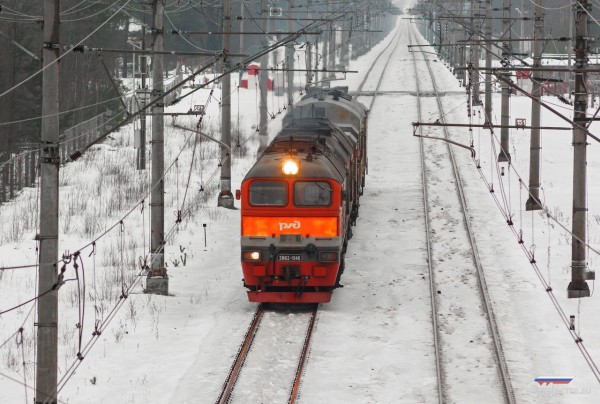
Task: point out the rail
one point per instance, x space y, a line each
493 327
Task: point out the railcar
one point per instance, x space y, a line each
300 200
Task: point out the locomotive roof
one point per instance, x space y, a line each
320 166
319 130
339 96
321 149
329 105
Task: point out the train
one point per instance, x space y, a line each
300 200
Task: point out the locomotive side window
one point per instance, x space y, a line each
312 193
268 193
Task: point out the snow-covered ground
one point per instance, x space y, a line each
373 342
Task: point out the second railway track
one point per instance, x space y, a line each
462 311
274 351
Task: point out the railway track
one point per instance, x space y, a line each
267 356
455 271
243 362
394 41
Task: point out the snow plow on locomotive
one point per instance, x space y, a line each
300 199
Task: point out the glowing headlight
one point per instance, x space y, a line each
290 167
251 255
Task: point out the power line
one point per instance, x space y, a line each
64 54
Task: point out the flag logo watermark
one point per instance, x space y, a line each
552 386
541 380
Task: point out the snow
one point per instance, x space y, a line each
373 342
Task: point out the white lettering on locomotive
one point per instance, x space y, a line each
294 225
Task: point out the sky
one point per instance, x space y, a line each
374 342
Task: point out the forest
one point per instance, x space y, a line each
85 88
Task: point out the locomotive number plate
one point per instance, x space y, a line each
289 257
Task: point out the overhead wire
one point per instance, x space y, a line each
550 293
78 252
492 43
552 8
75 7
529 253
74 10
11 11
183 37
14 87
87 17
126 290
93 242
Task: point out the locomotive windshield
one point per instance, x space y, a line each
268 193
312 193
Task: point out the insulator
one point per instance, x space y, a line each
572 322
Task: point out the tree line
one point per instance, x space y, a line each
84 84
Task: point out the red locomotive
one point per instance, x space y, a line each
300 199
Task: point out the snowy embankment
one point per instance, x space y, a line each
373 341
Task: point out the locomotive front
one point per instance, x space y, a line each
293 222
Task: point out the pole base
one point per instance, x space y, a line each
578 289
225 200
532 204
157 285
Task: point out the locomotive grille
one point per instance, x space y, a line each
290 238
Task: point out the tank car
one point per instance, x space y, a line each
300 199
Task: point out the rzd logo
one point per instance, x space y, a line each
294 225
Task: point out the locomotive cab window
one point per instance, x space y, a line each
268 193
312 193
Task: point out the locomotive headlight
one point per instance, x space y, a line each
250 255
290 167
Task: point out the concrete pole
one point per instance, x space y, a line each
242 20
439 39
31 169
475 10
47 308
316 62
488 64
504 155
533 202
368 24
570 51
522 14
332 48
309 50
263 78
289 50
325 46
437 27
462 48
141 152
447 49
157 281
241 38
579 274
225 196
344 51
11 180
